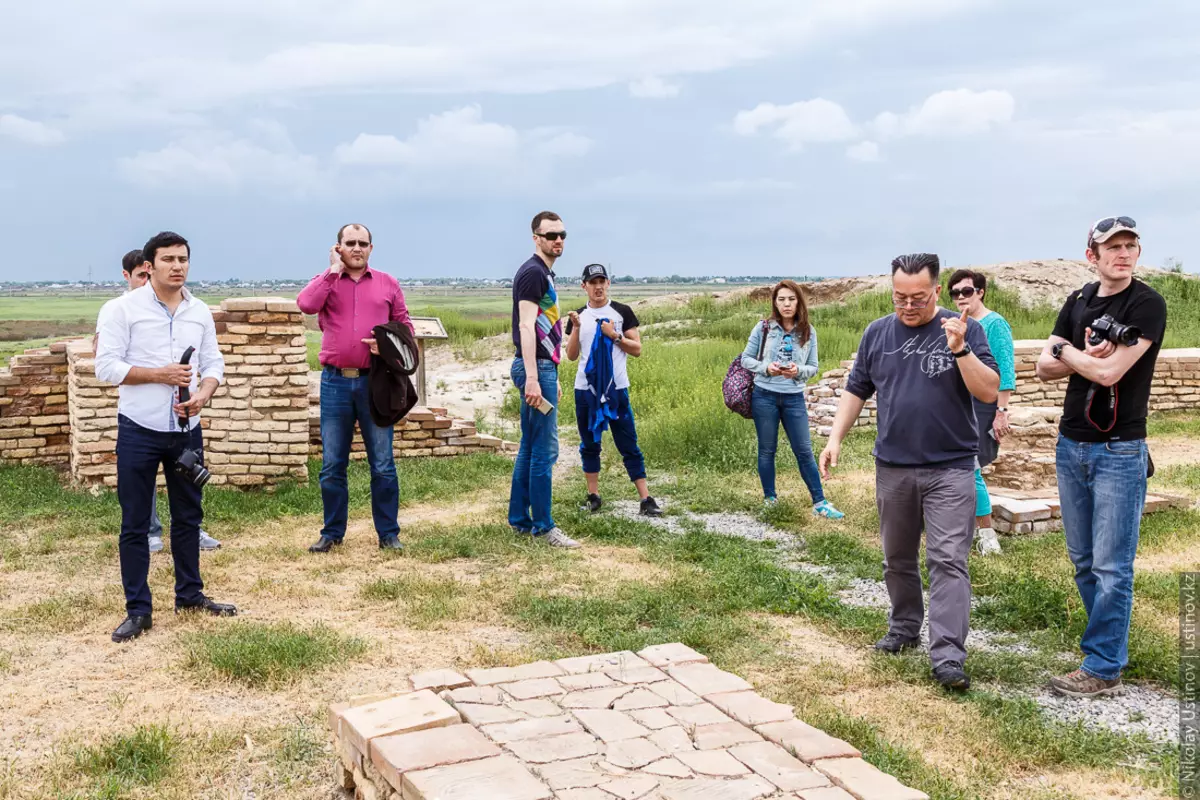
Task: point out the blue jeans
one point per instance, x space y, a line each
140 452
529 502
1102 488
624 434
769 409
345 401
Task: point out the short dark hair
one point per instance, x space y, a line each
131 261
342 230
915 263
978 279
541 217
161 240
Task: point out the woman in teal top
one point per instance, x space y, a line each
967 289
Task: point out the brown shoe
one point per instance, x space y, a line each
1080 684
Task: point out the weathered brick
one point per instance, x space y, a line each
578 774
439 679
806 742
653 718
633 753
671 655
864 781
535 687
638 699
555 748
631 788
531 729
749 708
727 734
750 788
453 744
587 680
776 765
695 716
715 763
499 778
595 698
706 679
602 663
538 669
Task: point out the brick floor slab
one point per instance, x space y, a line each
525 672
596 698
706 679
403 714
673 739
605 661
484 695
675 694
703 714
477 714
642 675
578 774
587 680
806 742
528 690
670 655
776 765
864 781
714 763
535 708
712 737
668 767
633 753
750 788
639 698
751 708
653 718
611 726
567 747
499 778
583 794
830 793
438 680
632 788
437 747
531 729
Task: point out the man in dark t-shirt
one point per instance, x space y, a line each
924 363
537 336
1102 460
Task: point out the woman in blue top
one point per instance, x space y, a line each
789 359
967 289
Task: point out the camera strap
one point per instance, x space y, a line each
1078 317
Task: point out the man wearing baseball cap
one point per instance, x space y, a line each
603 334
1106 341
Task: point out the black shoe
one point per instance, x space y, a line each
894 643
323 545
650 508
209 606
950 675
592 503
391 543
131 628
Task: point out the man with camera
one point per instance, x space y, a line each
145 345
136 273
1106 340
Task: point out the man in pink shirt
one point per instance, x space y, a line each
350 299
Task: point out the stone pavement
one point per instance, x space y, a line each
662 724
1039 511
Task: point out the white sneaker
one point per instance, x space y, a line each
987 543
156 544
556 538
207 542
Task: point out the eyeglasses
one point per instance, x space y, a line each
908 302
356 243
1105 225
553 235
966 291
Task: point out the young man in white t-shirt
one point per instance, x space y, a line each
617 325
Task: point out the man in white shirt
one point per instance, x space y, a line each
599 407
136 272
141 342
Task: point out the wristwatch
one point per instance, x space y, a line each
966 351
1056 349
1001 410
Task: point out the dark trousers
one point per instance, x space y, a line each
140 452
624 434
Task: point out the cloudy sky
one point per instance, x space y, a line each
674 136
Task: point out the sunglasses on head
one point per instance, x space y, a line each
356 243
1106 225
553 235
966 291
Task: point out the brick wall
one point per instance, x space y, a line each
93 418
822 400
33 407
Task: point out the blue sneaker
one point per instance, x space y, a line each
825 509
770 501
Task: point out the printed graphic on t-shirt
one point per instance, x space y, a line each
549 323
931 348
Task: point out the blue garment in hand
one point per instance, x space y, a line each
601 383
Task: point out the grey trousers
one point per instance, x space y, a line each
942 501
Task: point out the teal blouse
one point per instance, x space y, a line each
999 336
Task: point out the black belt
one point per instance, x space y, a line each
354 371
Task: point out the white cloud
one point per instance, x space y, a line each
955 112
653 88
459 138
808 121
863 151
207 160
30 131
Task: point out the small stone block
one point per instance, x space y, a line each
825 793
528 690
600 663
749 708
653 718
579 774
696 716
675 694
866 782
806 742
595 698
499 778
532 729
640 675
631 788
555 748
403 714
478 714
714 763
588 680
750 788
536 708
706 679
668 768
633 753
713 737
583 794
486 695
611 726
438 680
775 764
408 752
671 655
489 677
672 740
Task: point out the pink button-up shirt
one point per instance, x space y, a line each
348 311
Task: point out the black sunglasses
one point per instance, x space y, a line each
356 243
966 291
1105 225
553 235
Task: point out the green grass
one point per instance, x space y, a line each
267 655
123 764
425 600
60 613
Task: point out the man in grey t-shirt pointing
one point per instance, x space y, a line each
925 363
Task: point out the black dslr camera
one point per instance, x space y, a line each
1108 329
189 465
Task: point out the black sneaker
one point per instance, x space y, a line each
592 503
650 508
950 675
894 643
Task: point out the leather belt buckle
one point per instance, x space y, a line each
350 373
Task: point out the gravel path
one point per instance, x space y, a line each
1140 710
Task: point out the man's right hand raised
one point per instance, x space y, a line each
829 458
335 260
175 375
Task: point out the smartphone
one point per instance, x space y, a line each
545 406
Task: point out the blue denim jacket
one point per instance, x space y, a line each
803 355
